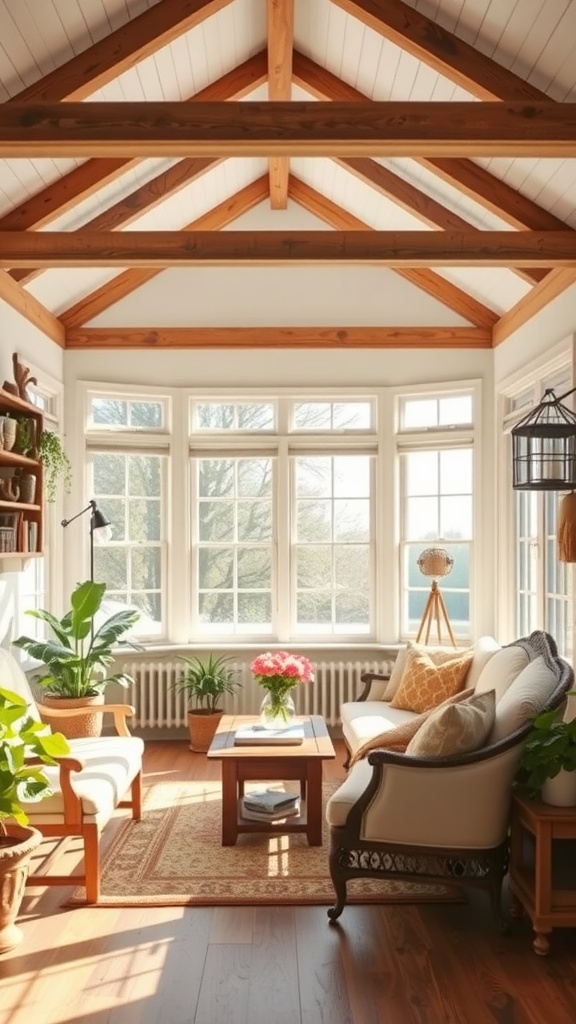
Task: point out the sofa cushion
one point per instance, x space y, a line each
483 649
455 728
395 675
524 698
501 669
397 738
425 685
363 719
437 654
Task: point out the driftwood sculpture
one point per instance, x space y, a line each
23 377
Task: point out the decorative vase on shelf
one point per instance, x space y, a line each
277 710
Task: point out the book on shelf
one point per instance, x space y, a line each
257 734
269 800
278 815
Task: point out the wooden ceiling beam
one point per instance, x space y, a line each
128 281
280 47
449 55
437 287
153 338
480 185
556 282
120 50
85 180
281 129
31 309
138 202
414 201
384 248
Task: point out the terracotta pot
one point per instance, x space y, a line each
88 724
202 725
16 849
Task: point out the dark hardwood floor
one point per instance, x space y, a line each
427 964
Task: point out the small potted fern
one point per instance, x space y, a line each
205 683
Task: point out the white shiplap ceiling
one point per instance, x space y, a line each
533 39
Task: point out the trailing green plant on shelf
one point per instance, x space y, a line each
56 463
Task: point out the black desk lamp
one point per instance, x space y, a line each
97 522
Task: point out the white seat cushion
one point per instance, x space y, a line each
111 764
361 720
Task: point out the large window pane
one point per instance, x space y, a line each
234 537
332 550
129 490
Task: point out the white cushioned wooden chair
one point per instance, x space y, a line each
99 775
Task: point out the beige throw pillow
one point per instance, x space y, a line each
456 728
398 738
424 684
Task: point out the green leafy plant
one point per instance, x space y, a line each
23 738
205 682
550 747
77 657
55 462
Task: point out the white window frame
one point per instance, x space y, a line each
179 442
554 370
437 438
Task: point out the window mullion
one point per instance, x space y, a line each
283 526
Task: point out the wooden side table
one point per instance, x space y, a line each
543 866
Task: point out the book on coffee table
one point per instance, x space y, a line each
252 735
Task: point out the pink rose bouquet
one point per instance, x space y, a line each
278 672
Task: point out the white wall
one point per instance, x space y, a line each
549 327
34 348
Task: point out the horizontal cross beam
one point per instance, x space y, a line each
222 129
386 248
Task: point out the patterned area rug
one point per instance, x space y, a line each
174 857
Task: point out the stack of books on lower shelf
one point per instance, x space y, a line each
270 805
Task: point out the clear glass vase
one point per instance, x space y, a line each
277 711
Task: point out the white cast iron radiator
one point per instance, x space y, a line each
159 706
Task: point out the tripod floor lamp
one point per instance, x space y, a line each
435 562
98 522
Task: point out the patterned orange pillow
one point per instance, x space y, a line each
425 685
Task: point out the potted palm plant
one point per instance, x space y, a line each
77 656
547 767
21 739
205 683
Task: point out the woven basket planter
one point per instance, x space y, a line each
87 724
202 725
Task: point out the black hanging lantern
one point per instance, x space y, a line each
544 447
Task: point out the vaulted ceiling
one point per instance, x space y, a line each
431 143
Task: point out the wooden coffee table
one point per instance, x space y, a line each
263 763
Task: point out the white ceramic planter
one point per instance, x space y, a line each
561 790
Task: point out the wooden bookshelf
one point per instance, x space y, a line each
21 521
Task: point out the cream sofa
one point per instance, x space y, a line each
100 775
441 816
